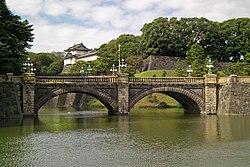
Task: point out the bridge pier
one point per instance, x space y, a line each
211 94
28 95
123 95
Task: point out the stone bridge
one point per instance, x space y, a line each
120 93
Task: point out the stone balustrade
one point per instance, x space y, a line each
2 78
105 79
243 79
168 80
222 80
69 79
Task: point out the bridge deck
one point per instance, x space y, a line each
108 79
114 79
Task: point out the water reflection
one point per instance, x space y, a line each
155 122
226 127
145 138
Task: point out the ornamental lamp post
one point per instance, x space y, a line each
210 66
189 71
113 69
81 70
119 59
241 57
123 64
89 70
28 66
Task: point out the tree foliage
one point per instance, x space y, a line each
109 53
56 67
80 67
236 35
241 68
16 36
135 63
47 63
224 41
173 37
197 59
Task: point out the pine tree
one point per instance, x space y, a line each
15 37
197 59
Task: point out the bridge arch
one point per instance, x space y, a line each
103 97
190 101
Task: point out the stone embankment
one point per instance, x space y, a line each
234 97
169 63
10 102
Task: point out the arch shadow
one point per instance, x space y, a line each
104 98
190 101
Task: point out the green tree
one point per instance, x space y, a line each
154 36
78 67
16 36
236 35
247 64
136 63
109 53
42 60
197 59
224 41
44 69
173 37
241 68
56 67
179 71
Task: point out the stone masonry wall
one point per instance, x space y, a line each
160 63
234 98
169 63
69 100
10 102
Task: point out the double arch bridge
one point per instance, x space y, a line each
120 93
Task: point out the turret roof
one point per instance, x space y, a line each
78 47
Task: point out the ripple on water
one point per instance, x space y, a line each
135 142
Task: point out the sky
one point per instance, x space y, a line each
59 24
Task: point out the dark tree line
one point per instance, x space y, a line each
15 36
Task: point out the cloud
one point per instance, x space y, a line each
59 24
54 7
25 7
59 37
212 9
139 5
106 14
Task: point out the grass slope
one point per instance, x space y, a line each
155 99
156 73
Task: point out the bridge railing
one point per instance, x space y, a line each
168 80
244 79
222 80
67 79
2 78
15 79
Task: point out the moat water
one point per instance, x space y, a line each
155 137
